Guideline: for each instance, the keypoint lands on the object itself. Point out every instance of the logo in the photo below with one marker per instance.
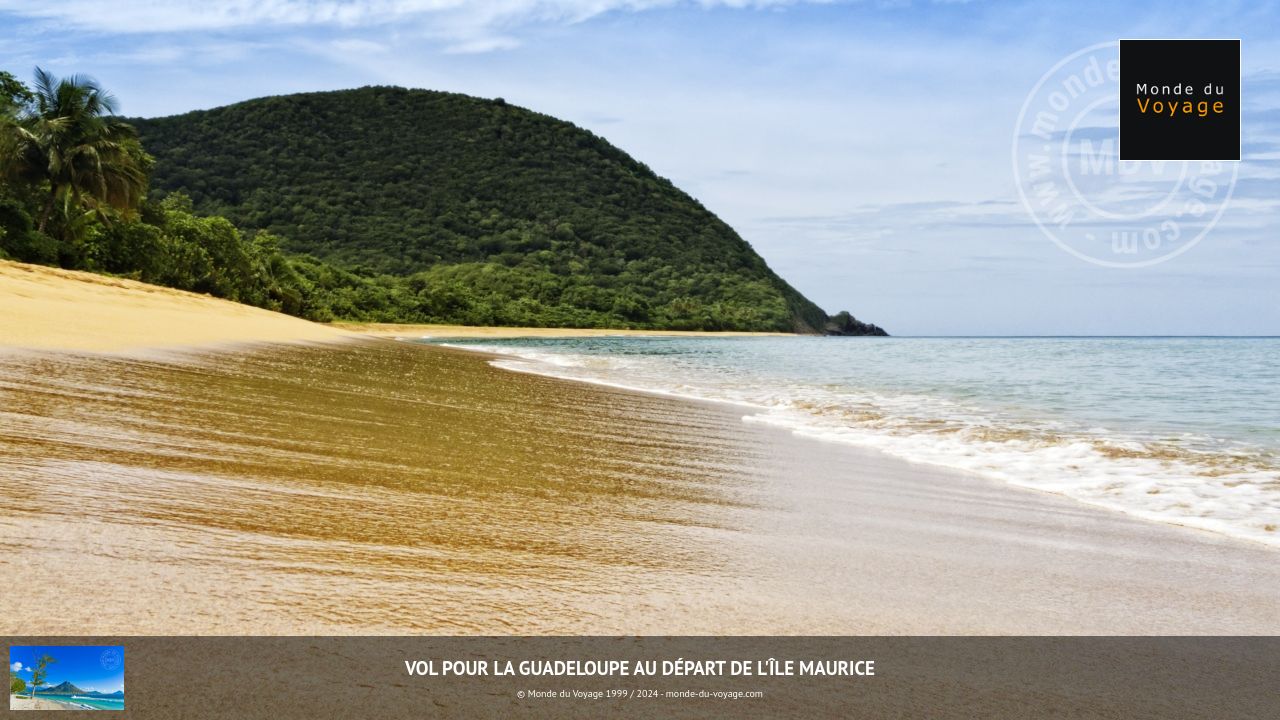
(1082, 196)
(1180, 99)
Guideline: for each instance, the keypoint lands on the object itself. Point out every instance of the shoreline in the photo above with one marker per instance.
(514, 363)
(611, 511)
(374, 487)
(24, 702)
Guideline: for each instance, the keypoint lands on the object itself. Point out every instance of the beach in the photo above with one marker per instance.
(55, 309)
(25, 702)
(369, 486)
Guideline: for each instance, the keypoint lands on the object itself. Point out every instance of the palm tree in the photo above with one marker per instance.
(68, 139)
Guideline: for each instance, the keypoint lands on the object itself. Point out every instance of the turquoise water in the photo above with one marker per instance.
(88, 703)
(1181, 430)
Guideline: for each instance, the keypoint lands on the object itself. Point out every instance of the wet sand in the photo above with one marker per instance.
(375, 487)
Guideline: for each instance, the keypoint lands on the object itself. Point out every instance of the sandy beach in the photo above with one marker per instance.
(375, 487)
(24, 702)
(57, 309)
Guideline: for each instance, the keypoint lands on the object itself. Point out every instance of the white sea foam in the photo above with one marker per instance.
(1187, 478)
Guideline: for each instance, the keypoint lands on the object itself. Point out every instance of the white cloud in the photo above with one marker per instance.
(357, 45)
(16, 667)
(459, 26)
(148, 16)
(482, 45)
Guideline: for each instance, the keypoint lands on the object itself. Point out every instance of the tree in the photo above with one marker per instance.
(67, 140)
(40, 673)
(16, 684)
(13, 94)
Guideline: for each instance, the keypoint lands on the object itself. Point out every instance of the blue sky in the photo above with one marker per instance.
(863, 148)
(82, 665)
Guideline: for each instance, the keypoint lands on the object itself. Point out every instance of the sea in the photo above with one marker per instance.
(85, 702)
(1182, 430)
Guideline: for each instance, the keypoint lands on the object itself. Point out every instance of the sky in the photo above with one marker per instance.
(88, 667)
(865, 149)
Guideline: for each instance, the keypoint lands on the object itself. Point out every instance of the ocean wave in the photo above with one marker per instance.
(1186, 478)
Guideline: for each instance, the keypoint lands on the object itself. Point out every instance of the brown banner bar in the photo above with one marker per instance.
(855, 677)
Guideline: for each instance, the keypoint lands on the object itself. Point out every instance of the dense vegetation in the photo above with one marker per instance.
(73, 183)
(504, 215)
(377, 204)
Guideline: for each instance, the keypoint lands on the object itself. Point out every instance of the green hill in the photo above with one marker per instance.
(486, 212)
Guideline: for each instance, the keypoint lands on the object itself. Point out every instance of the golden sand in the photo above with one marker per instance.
(369, 486)
(372, 487)
(54, 309)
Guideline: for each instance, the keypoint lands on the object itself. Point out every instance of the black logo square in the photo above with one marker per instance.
(1179, 99)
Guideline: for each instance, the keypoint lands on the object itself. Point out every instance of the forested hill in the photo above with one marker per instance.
(500, 214)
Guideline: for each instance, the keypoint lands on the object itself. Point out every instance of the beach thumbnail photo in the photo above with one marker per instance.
(66, 677)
